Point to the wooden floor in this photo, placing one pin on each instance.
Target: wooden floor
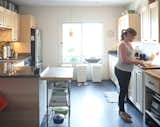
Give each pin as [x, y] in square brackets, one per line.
[89, 108]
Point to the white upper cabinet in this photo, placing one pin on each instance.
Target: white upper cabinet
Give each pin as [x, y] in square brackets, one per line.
[150, 18]
[145, 29]
[129, 20]
[154, 21]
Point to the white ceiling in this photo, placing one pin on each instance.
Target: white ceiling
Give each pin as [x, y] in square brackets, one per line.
[73, 2]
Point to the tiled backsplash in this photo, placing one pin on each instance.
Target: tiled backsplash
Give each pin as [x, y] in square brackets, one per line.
[19, 47]
[147, 48]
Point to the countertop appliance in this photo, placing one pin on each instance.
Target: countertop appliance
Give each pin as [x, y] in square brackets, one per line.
[36, 48]
[7, 52]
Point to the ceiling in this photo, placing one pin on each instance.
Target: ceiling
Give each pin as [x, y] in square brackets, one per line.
[73, 2]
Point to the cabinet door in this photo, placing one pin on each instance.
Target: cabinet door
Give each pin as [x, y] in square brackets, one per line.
[129, 20]
[154, 21]
[15, 28]
[112, 63]
[132, 88]
[7, 18]
[110, 67]
[1, 16]
[145, 29]
[139, 89]
[122, 24]
[33, 22]
[25, 28]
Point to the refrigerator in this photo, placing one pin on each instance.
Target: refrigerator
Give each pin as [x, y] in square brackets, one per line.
[36, 48]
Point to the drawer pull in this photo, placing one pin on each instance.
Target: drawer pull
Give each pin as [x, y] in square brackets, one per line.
[150, 82]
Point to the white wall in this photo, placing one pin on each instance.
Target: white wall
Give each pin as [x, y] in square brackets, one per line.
[50, 20]
[137, 4]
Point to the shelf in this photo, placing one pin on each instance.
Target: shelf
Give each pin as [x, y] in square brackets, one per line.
[59, 98]
[152, 116]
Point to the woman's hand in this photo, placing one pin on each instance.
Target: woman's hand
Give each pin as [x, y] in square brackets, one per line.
[145, 63]
[142, 63]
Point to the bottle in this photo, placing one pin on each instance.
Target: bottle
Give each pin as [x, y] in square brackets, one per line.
[5, 52]
[12, 67]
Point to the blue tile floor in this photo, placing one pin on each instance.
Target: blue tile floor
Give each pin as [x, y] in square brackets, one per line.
[89, 108]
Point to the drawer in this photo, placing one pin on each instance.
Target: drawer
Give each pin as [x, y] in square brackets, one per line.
[152, 83]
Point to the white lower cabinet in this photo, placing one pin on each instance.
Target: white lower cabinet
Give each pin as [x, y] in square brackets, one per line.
[112, 62]
[136, 89]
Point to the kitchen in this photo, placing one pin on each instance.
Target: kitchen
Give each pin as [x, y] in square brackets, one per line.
[49, 20]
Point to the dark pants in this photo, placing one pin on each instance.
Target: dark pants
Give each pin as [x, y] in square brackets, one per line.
[123, 79]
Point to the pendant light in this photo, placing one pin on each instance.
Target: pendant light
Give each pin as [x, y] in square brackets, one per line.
[71, 33]
[71, 29]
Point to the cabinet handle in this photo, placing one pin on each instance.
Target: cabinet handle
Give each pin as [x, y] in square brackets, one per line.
[150, 82]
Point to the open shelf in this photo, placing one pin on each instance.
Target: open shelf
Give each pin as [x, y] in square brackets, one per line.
[60, 98]
[153, 117]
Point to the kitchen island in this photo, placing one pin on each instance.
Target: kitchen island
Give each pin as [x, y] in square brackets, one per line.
[55, 75]
[25, 93]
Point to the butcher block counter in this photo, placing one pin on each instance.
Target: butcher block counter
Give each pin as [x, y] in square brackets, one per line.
[153, 72]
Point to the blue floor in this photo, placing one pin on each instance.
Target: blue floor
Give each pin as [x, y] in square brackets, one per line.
[89, 108]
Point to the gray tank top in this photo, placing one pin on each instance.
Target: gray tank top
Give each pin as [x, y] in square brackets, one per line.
[123, 66]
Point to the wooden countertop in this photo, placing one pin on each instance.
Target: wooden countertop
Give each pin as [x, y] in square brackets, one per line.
[153, 72]
[57, 73]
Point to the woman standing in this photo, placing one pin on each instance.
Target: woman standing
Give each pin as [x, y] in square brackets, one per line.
[124, 67]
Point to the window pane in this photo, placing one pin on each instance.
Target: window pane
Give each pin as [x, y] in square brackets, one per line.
[92, 39]
[81, 40]
[71, 44]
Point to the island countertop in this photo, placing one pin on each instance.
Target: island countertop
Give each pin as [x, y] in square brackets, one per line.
[153, 72]
[8, 70]
[57, 73]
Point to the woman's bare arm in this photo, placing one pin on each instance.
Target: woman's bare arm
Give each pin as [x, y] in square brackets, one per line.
[126, 59]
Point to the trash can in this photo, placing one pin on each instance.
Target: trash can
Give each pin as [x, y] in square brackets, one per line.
[96, 72]
[81, 73]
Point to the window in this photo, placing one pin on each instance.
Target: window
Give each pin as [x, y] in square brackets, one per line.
[81, 40]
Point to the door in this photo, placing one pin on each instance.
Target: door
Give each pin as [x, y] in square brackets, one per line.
[78, 42]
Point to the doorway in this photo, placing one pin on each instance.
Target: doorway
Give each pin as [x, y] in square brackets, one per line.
[80, 41]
